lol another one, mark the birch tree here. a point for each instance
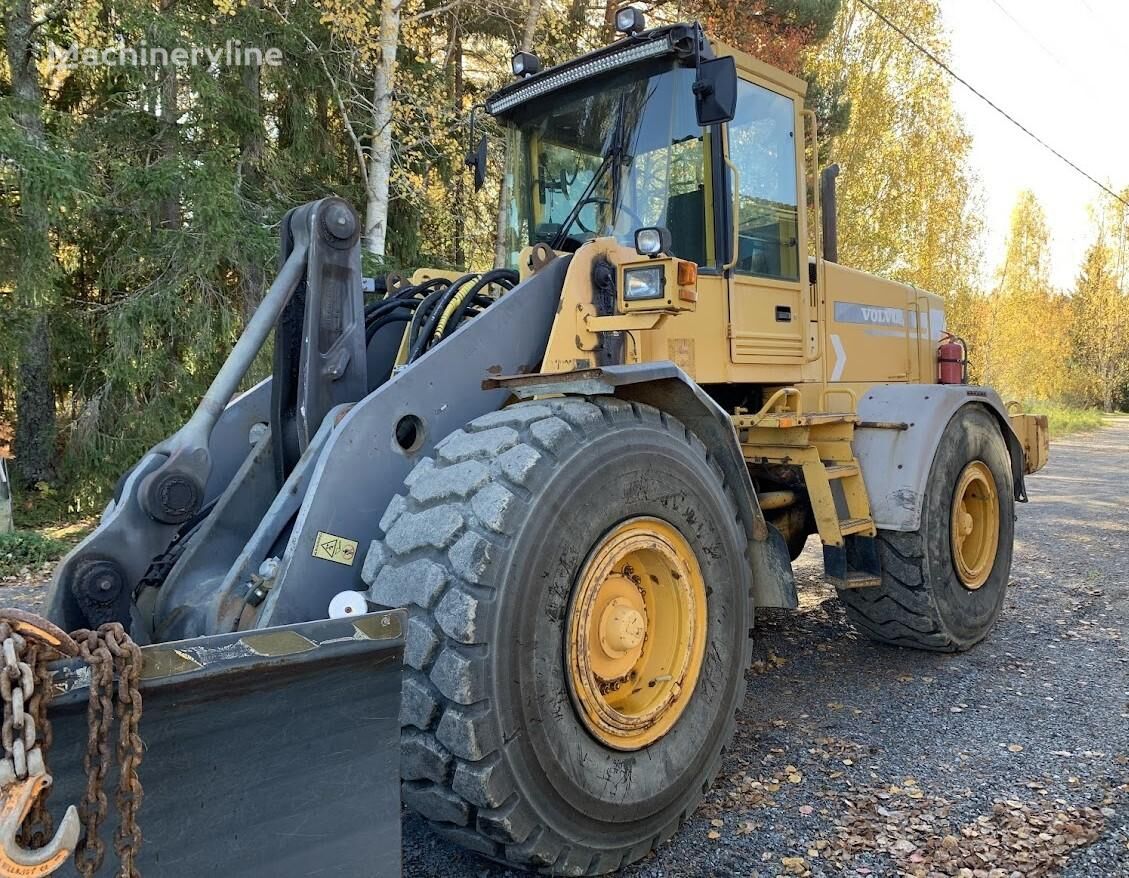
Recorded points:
(908, 197)
(380, 153)
(1100, 330)
(1030, 339)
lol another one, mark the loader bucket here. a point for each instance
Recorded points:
(267, 753)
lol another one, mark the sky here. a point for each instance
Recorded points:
(1061, 67)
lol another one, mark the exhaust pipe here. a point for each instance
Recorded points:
(830, 213)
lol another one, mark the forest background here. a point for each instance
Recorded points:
(139, 205)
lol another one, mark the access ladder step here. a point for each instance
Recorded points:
(850, 526)
(841, 470)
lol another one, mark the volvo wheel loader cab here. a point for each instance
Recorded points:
(581, 473)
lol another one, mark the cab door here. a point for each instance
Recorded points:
(767, 273)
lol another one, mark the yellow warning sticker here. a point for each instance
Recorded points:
(331, 547)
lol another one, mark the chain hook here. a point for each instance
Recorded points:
(16, 799)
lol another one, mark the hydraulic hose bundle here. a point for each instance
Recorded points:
(432, 310)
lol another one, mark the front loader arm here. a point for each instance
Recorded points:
(257, 512)
(172, 483)
(369, 453)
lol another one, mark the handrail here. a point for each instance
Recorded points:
(736, 242)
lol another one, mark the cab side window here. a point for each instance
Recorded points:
(762, 146)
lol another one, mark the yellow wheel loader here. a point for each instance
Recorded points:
(563, 487)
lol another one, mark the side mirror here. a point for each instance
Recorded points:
(476, 161)
(716, 91)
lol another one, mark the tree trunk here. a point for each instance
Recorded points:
(505, 194)
(34, 445)
(5, 501)
(168, 211)
(380, 152)
(460, 175)
(578, 17)
(35, 408)
(530, 30)
(251, 146)
(610, 10)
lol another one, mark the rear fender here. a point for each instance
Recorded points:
(901, 429)
(666, 387)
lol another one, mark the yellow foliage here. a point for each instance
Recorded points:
(909, 210)
(907, 206)
(1027, 354)
(354, 24)
(1100, 329)
(228, 7)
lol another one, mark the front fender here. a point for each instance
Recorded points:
(664, 386)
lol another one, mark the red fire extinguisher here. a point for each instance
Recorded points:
(952, 360)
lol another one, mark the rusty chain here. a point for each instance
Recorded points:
(111, 653)
(17, 688)
(27, 644)
(39, 825)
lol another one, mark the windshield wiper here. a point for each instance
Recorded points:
(585, 199)
(614, 152)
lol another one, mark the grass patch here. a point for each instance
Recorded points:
(28, 548)
(1065, 420)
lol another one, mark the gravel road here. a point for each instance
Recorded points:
(852, 758)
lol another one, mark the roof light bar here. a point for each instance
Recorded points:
(550, 81)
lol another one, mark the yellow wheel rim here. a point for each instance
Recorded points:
(975, 525)
(636, 633)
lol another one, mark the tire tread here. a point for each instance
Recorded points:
(903, 610)
(456, 777)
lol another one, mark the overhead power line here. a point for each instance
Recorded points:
(1107, 31)
(949, 70)
(1030, 34)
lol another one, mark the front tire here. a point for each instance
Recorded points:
(501, 549)
(943, 585)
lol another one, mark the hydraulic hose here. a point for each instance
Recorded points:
(427, 328)
(418, 320)
(503, 277)
(396, 315)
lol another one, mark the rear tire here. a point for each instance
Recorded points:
(487, 551)
(923, 601)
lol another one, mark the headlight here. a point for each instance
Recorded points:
(643, 283)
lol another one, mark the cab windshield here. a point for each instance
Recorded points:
(607, 157)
